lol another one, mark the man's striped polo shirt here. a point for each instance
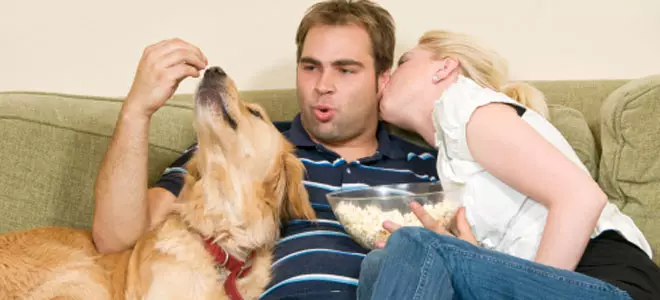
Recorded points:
(320, 261)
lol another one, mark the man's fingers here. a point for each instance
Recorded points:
(171, 44)
(180, 56)
(424, 217)
(151, 48)
(164, 50)
(391, 226)
(179, 72)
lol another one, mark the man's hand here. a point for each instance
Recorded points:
(162, 67)
(124, 207)
(459, 227)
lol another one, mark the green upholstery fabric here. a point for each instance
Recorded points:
(586, 96)
(572, 124)
(53, 144)
(630, 166)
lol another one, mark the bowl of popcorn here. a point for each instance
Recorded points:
(362, 211)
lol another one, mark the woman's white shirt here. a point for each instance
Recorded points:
(501, 218)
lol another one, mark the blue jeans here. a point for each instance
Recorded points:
(420, 264)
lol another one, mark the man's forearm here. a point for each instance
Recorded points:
(121, 212)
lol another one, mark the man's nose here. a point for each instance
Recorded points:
(325, 83)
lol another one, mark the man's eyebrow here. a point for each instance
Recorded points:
(336, 63)
(309, 60)
(347, 62)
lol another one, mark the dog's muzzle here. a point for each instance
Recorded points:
(214, 71)
(211, 93)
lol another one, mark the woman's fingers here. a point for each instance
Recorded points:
(391, 226)
(463, 227)
(428, 221)
(460, 226)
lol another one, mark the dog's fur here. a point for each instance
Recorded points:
(242, 181)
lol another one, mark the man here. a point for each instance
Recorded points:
(345, 52)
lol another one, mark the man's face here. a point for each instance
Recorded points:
(336, 84)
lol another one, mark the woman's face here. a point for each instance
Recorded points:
(411, 87)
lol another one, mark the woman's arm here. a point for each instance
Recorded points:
(511, 150)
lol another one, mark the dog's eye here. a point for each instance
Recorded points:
(255, 113)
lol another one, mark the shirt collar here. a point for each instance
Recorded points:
(386, 146)
(297, 134)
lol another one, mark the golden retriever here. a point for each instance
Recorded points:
(242, 181)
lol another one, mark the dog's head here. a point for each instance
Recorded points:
(244, 177)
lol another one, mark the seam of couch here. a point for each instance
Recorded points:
(616, 124)
(82, 97)
(80, 131)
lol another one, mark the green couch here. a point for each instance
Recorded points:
(52, 145)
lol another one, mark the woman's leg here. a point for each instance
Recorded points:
(420, 264)
(611, 258)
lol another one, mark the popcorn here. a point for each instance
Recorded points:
(365, 224)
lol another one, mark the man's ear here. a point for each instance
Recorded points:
(445, 68)
(382, 81)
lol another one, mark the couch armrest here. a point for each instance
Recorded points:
(630, 161)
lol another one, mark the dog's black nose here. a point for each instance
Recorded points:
(215, 71)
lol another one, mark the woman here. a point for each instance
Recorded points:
(528, 200)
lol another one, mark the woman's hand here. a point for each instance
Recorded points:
(459, 227)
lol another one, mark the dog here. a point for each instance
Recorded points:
(242, 182)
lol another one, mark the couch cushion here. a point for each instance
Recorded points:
(573, 126)
(630, 163)
(586, 96)
(52, 146)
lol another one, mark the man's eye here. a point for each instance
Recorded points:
(347, 71)
(309, 68)
(255, 113)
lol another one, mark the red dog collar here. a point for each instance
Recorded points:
(237, 268)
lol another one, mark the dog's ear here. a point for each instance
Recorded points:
(192, 168)
(296, 200)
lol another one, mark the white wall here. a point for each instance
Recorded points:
(92, 47)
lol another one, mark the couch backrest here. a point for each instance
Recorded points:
(586, 96)
(51, 149)
(52, 144)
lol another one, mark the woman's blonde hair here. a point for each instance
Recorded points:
(483, 66)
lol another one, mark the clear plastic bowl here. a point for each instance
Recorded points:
(362, 211)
